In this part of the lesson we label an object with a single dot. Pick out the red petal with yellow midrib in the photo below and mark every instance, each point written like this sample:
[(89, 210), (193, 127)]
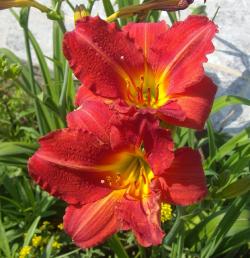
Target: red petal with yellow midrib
[(195, 103), (178, 55), (63, 165), (92, 223), (102, 56), (145, 33)]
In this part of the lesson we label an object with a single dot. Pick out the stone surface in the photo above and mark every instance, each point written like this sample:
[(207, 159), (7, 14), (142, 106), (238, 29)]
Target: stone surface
[(229, 66)]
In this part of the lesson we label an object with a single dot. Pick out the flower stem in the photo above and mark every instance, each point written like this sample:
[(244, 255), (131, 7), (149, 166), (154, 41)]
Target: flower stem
[(142, 251), (175, 229), (32, 77), (61, 25), (116, 245), (40, 7), (60, 21)]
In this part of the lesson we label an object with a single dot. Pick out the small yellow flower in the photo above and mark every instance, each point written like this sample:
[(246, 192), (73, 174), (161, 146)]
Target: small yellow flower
[(36, 241), (166, 212), (44, 225), (24, 251), (60, 226), (56, 245)]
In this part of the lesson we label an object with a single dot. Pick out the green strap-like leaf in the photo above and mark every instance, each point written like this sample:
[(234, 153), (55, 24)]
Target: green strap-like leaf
[(223, 227), (225, 101), (16, 153), (4, 243), (31, 231), (116, 246), (240, 139), (236, 189)]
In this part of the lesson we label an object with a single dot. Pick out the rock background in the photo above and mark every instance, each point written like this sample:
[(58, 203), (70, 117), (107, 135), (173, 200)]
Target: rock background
[(229, 66)]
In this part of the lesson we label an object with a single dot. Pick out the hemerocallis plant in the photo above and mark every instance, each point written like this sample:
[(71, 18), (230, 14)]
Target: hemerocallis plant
[(115, 171), (152, 67)]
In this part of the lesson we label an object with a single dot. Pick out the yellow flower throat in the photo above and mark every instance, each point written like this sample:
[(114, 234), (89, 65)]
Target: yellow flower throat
[(145, 91), (129, 171)]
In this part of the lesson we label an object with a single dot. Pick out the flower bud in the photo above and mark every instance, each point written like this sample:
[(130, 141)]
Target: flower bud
[(165, 5), (80, 12), (5, 4)]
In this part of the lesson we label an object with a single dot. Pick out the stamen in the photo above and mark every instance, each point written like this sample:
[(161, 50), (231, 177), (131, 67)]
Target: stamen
[(157, 93), (144, 178), (140, 95), (149, 96), (130, 97), (129, 94)]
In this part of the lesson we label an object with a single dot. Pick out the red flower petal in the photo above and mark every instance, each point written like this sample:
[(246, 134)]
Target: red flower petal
[(179, 53), (143, 218), (63, 165), (92, 223), (102, 57), (145, 34), (93, 116), (195, 103), (171, 112), (159, 148), (184, 182), (127, 131), (84, 94)]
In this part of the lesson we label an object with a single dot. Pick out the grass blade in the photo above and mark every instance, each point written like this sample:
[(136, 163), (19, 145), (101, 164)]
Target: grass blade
[(115, 244), (4, 243), (211, 139), (225, 101), (226, 223), (31, 231)]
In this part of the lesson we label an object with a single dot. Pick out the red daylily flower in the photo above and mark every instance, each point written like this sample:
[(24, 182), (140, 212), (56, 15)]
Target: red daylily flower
[(114, 173), (147, 65)]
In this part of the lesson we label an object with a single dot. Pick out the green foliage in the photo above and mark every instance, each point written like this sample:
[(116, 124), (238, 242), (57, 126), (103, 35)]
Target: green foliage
[(8, 71)]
